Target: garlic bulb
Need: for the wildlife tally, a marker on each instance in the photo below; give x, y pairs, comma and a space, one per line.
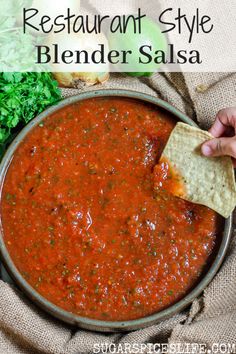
78, 79
82, 46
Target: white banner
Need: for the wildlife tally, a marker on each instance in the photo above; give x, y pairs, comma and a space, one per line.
139, 36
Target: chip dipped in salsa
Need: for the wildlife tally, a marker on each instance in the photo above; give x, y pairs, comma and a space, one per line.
88, 218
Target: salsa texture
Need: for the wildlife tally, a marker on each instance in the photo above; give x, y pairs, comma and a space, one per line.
88, 218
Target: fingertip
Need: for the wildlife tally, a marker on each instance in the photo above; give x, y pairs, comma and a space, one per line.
218, 128
211, 130
206, 150
215, 131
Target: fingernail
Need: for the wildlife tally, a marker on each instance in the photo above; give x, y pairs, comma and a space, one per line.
206, 150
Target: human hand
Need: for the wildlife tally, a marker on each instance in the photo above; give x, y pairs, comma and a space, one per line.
224, 131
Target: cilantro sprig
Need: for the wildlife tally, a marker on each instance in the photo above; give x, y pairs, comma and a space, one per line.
22, 97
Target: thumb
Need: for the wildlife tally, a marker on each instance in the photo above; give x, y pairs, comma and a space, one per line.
220, 147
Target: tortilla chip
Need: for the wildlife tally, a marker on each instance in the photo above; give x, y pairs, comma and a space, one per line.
206, 181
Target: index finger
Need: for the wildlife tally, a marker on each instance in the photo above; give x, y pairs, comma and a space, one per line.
224, 119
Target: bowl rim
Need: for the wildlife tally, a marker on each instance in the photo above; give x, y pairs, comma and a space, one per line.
84, 322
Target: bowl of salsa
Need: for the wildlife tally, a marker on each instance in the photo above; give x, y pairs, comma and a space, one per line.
85, 232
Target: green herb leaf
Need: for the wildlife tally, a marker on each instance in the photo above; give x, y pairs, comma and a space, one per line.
22, 97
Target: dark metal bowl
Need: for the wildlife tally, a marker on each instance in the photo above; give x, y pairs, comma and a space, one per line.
107, 326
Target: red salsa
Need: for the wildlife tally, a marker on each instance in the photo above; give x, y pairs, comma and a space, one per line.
88, 219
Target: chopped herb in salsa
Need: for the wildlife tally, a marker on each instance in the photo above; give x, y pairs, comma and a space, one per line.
88, 219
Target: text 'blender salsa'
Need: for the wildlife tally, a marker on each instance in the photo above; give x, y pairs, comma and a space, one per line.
88, 220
